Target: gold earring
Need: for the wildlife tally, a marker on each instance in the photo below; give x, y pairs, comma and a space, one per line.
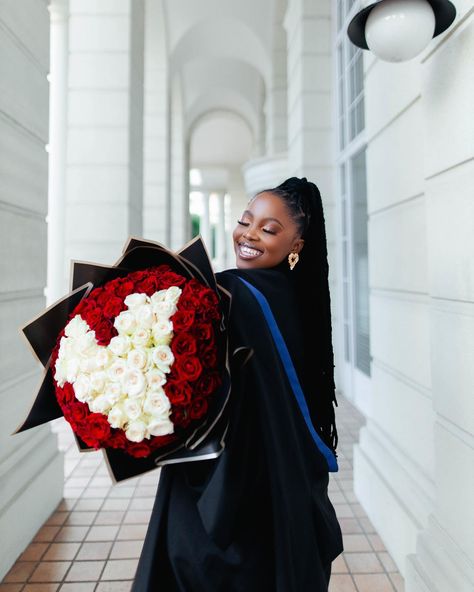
293, 259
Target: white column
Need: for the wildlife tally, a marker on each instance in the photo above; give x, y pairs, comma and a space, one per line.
221, 242
276, 103
156, 114
206, 222
180, 217
105, 135
58, 72
310, 133
31, 467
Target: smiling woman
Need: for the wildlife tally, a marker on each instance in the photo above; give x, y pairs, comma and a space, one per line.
261, 239
258, 518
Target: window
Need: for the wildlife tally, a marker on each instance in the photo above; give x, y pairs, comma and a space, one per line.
352, 194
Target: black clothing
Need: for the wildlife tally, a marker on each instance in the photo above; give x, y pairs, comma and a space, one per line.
258, 517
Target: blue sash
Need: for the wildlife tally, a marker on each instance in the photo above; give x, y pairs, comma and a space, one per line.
292, 376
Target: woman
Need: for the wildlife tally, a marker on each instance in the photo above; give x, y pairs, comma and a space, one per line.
258, 517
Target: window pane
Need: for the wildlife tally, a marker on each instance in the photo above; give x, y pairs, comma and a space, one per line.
360, 263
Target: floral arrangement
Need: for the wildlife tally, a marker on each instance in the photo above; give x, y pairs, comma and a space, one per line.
139, 362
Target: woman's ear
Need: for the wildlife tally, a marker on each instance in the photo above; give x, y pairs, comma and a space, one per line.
297, 245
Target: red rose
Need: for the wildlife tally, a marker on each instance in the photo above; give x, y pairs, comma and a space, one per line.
208, 357
183, 343
171, 278
179, 393
207, 384
97, 426
180, 417
92, 316
139, 449
188, 367
203, 331
117, 439
113, 307
198, 407
148, 286
104, 331
78, 411
103, 297
124, 289
182, 319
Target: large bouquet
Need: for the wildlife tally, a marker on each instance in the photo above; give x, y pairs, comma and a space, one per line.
136, 358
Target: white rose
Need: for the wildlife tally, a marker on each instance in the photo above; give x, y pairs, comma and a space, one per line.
60, 373
160, 427
157, 403
162, 331
164, 309
173, 293
158, 296
116, 417
120, 344
85, 344
135, 299
125, 322
72, 369
136, 431
137, 358
155, 378
134, 382
117, 370
113, 391
76, 327
82, 388
103, 357
98, 380
141, 337
99, 404
144, 316
163, 357
87, 364
132, 408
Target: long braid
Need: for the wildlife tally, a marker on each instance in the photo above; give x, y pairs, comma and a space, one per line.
304, 202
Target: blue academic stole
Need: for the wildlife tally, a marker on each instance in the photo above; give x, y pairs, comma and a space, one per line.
292, 376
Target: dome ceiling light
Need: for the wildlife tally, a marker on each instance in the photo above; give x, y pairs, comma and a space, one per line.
398, 30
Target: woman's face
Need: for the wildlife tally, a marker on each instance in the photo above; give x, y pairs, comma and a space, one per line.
268, 231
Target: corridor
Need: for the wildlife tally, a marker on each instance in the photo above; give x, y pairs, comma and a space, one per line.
92, 542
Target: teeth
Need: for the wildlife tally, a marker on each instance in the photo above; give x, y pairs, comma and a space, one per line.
249, 251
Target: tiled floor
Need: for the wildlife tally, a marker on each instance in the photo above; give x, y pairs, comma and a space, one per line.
91, 543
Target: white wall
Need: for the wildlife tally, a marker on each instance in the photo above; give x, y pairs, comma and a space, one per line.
413, 467
31, 468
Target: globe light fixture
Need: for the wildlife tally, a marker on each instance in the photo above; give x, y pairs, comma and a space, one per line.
399, 30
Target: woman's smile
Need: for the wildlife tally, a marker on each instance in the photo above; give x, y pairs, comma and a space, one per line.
247, 252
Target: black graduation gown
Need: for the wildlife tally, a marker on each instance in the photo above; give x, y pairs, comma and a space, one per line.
257, 518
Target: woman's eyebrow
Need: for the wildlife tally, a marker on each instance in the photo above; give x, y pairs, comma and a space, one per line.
268, 218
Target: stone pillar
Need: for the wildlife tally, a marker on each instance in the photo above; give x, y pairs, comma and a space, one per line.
31, 467
105, 135
206, 221
221, 242
156, 113
180, 216
276, 103
58, 73
310, 133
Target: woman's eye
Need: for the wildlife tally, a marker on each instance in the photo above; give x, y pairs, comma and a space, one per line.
264, 229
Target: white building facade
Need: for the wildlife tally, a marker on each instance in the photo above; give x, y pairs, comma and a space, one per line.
140, 93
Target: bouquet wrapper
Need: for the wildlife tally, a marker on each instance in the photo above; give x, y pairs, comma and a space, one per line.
192, 261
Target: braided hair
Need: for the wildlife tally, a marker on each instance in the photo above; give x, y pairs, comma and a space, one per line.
310, 275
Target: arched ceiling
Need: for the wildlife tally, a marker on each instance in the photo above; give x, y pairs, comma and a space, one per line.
220, 138
221, 49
